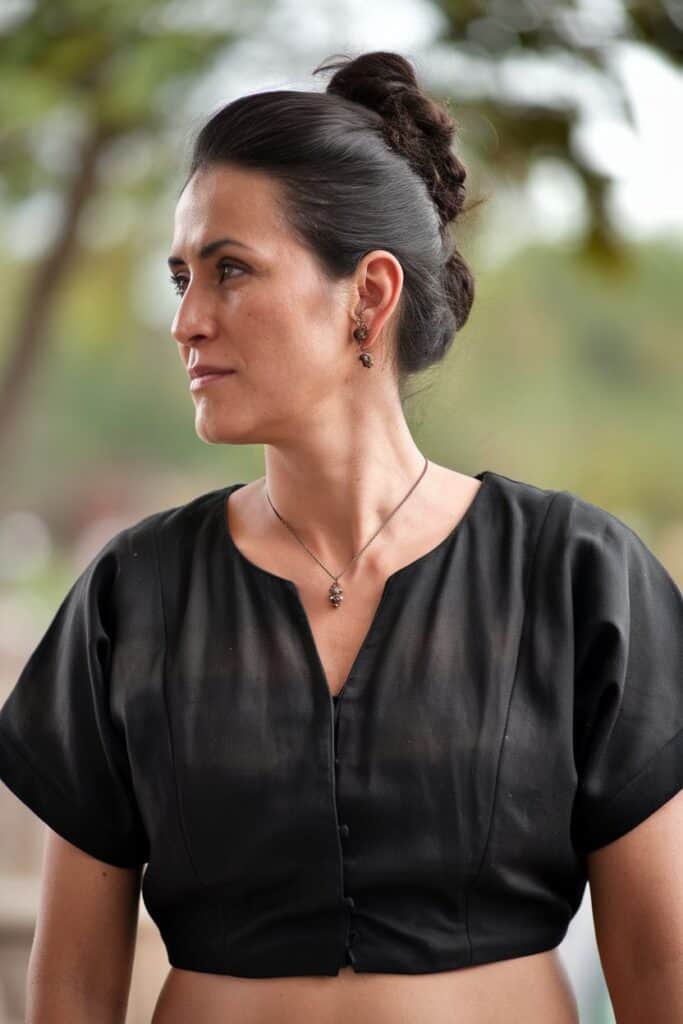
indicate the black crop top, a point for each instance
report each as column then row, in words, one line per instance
column 516, row 702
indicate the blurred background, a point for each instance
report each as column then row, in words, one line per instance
column 567, row 374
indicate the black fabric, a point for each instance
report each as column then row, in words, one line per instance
column 516, row 703
column 62, row 747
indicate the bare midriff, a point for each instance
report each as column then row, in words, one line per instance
column 534, row 989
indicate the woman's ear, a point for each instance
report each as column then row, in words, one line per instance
column 379, row 282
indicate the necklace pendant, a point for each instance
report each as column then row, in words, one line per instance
column 336, row 594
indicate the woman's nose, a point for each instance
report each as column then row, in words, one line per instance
column 193, row 319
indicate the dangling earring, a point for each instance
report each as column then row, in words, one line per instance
column 360, row 334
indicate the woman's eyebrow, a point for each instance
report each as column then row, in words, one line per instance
column 209, row 249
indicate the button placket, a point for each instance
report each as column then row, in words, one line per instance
column 351, row 937
column 351, row 957
column 343, row 830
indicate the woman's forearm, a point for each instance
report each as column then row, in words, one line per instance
column 58, row 1002
column 649, row 996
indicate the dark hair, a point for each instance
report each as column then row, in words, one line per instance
column 365, row 165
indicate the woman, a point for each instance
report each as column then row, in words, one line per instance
column 371, row 723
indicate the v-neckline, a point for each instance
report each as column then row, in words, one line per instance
column 484, row 476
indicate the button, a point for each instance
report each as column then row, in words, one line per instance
column 344, row 830
column 349, row 901
column 336, row 760
column 352, row 936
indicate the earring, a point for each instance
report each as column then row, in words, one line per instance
column 360, row 334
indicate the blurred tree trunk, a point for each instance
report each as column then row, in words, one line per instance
column 30, row 335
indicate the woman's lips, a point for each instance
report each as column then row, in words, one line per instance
column 208, row 378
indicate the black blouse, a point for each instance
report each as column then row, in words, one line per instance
column 517, row 702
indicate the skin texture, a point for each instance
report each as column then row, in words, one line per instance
column 637, row 898
column 84, row 941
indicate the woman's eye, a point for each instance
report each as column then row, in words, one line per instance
column 179, row 281
column 229, row 266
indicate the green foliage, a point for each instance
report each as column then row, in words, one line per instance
column 113, row 65
column 508, row 131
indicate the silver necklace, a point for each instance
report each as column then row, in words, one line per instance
column 335, row 592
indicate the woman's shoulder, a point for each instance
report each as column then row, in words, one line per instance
column 174, row 522
column 181, row 516
column 128, row 565
column 566, row 509
column 568, row 533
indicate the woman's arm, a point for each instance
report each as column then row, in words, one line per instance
column 81, row 960
column 636, row 886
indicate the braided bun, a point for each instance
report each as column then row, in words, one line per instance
column 414, row 124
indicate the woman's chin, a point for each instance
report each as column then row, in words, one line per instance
column 212, row 430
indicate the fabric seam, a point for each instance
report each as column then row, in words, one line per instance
column 494, row 801
column 608, row 801
column 169, row 729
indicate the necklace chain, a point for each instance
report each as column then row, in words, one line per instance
column 336, row 594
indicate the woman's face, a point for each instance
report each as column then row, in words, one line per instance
column 258, row 305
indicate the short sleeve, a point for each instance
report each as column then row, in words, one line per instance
column 628, row 665
column 61, row 753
